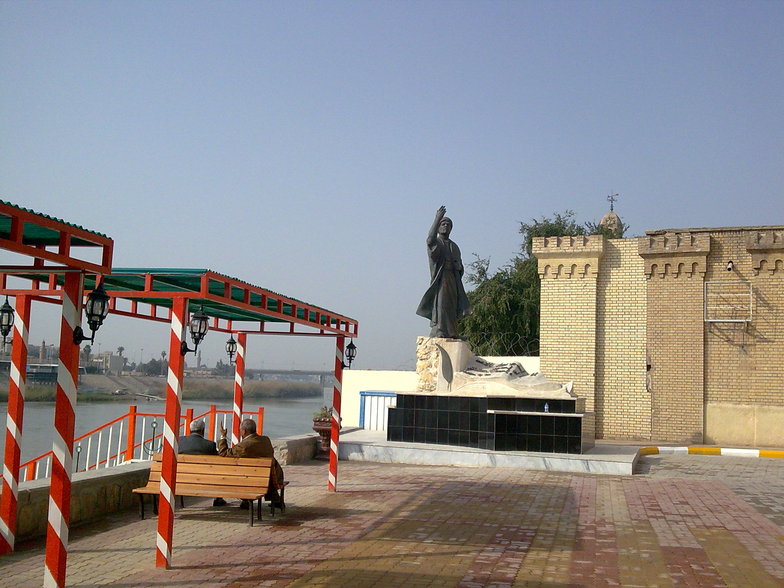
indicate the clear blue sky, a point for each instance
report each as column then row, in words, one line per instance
column 305, row 146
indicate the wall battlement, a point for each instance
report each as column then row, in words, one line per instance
column 767, row 250
column 571, row 245
column 568, row 257
column 674, row 254
column 674, row 244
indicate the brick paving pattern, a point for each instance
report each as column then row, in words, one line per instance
column 680, row 521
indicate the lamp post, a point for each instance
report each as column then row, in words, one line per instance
column 6, row 320
column 231, row 348
column 199, row 325
column 96, row 309
column 351, row 353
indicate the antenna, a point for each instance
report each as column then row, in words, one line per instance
column 612, row 198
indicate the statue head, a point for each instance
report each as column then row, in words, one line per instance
column 445, row 226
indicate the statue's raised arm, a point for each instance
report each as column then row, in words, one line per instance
column 440, row 213
column 445, row 300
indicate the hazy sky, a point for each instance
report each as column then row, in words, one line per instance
column 305, row 146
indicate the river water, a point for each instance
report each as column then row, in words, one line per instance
column 282, row 418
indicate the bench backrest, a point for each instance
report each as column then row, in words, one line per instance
column 216, row 471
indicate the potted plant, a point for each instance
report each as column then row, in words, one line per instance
column 322, row 424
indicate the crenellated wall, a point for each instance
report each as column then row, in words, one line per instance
column 623, row 401
column 744, row 371
column 568, row 267
column 675, row 266
column 643, row 326
column 766, row 248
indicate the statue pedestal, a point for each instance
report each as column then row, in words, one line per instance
column 464, row 401
column 438, row 360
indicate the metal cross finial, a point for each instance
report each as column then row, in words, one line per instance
column 612, row 198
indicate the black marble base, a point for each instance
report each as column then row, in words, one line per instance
column 498, row 424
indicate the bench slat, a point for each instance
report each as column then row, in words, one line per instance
column 208, row 491
column 217, row 459
column 226, row 469
column 249, row 481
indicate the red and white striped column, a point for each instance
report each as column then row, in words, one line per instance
column 13, row 429
column 239, row 383
column 62, row 448
column 337, row 391
column 171, row 428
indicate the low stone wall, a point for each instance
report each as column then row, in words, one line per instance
column 289, row 450
column 98, row 493
column 93, row 495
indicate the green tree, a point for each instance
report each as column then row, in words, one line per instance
column 87, row 351
column 222, row 369
column 154, row 367
column 505, row 305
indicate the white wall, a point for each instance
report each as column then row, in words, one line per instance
column 356, row 381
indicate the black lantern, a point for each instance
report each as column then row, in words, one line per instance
column 351, row 353
column 198, row 326
column 96, row 309
column 231, row 348
column 6, row 320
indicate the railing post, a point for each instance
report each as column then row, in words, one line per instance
column 188, row 420
column 212, row 419
column 239, row 381
column 131, row 432
column 260, row 425
column 13, row 429
column 64, row 420
column 30, row 472
column 337, row 391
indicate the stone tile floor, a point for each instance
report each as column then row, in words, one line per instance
column 680, row 521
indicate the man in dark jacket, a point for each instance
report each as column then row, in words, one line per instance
column 196, row 444
column 253, row 445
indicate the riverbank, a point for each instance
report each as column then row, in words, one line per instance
column 103, row 388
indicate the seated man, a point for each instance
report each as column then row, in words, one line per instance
column 253, row 445
column 196, row 444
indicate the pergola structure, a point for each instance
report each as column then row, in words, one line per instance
column 55, row 249
column 168, row 295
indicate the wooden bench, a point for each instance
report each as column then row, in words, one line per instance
column 214, row 476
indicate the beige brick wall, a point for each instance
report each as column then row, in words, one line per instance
column 623, row 402
column 609, row 307
column 675, row 351
column 743, row 362
column 567, row 340
column 568, row 267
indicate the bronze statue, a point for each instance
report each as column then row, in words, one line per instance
column 445, row 300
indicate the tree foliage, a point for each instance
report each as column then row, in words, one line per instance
column 505, row 304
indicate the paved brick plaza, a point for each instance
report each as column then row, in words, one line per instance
column 681, row 521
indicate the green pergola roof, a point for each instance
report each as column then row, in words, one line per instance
column 40, row 234
column 49, row 239
column 224, row 298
